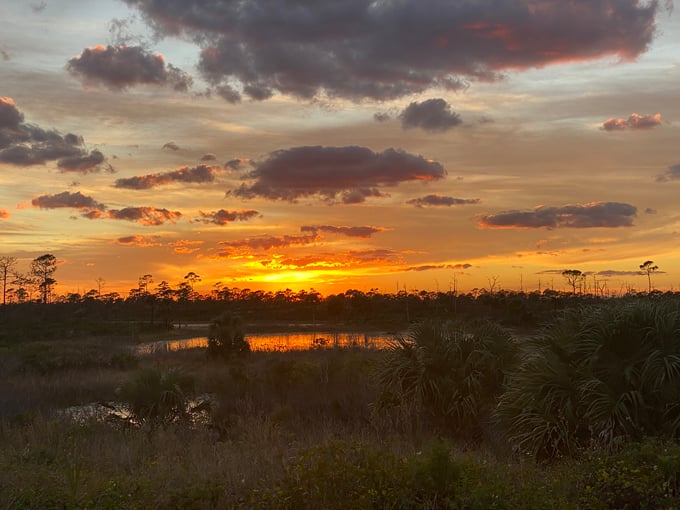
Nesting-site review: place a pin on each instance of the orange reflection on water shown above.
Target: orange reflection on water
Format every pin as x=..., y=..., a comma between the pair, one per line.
x=279, y=342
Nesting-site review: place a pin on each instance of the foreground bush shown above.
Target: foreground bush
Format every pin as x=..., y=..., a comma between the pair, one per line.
x=598, y=376
x=450, y=373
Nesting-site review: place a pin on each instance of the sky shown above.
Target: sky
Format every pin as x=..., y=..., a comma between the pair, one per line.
x=334, y=145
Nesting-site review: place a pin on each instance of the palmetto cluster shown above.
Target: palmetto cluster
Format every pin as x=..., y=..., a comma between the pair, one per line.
x=598, y=376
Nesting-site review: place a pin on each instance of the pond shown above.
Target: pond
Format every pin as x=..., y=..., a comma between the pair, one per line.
x=279, y=342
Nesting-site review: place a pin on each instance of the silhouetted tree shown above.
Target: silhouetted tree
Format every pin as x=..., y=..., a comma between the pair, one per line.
x=573, y=277
x=6, y=265
x=647, y=268
x=42, y=268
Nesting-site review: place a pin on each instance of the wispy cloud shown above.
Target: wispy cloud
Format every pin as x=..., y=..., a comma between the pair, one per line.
x=595, y=214
x=672, y=174
x=223, y=216
x=441, y=201
x=350, y=174
x=359, y=231
x=198, y=174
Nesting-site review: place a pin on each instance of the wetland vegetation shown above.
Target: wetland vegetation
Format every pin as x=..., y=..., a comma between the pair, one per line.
x=504, y=400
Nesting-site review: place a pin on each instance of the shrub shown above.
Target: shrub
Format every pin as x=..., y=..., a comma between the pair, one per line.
x=226, y=338
x=157, y=397
x=599, y=376
x=451, y=373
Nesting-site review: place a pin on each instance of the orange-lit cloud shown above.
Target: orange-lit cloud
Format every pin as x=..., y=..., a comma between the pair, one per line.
x=633, y=122
x=198, y=174
x=120, y=67
x=4, y=214
x=186, y=247
x=224, y=217
x=349, y=174
x=147, y=216
x=595, y=214
x=67, y=199
x=140, y=241
x=439, y=200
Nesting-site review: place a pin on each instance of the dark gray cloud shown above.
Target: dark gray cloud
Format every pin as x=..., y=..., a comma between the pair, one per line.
x=208, y=157
x=84, y=163
x=360, y=231
x=223, y=216
x=24, y=144
x=147, y=216
x=439, y=200
x=38, y=7
x=88, y=205
x=265, y=242
x=171, y=146
x=434, y=115
x=672, y=174
x=119, y=67
x=198, y=174
x=351, y=173
x=381, y=117
x=633, y=122
x=596, y=214
x=387, y=49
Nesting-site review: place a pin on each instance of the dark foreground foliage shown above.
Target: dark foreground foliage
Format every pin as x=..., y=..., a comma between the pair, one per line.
x=582, y=415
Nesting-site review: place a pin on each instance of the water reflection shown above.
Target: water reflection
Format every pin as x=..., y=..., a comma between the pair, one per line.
x=279, y=342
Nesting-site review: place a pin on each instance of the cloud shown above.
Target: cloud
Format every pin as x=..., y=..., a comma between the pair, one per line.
x=235, y=164
x=223, y=216
x=672, y=174
x=147, y=216
x=198, y=174
x=208, y=157
x=120, y=67
x=5, y=55
x=38, y=7
x=352, y=173
x=172, y=146
x=361, y=49
x=595, y=214
x=140, y=241
x=635, y=121
x=265, y=242
x=429, y=267
x=612, y=272
x=185, y=247
x=362, y=232
x=434, y=115
x=439, y=200
x=23, y=144
x=67, y=199
x=84, y=163
x=381, y=117
x=4, y=214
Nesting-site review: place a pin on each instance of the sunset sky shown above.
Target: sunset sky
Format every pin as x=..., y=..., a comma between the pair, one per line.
x=339, y=144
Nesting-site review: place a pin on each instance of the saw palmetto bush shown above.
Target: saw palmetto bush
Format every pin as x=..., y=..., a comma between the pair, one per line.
x=599, y=376
x=226, y=338
x=449, y=373
x=157, y=397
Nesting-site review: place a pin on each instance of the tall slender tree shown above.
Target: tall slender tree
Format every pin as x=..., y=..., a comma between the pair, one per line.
x=43, y=268
x=647, y=268
x=6, y=266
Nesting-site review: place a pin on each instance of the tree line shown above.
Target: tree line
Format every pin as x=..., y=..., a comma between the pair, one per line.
x=40, y=277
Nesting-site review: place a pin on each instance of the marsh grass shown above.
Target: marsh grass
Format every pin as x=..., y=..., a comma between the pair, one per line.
x=301, y=430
